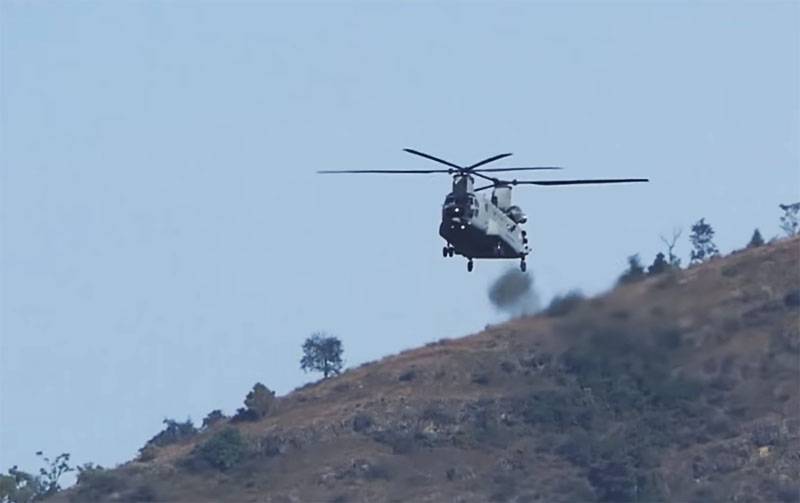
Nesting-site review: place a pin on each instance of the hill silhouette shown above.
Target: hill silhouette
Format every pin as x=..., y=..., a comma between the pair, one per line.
x=679, y=387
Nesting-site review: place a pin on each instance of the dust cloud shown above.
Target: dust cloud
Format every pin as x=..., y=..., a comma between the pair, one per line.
x=514, y=294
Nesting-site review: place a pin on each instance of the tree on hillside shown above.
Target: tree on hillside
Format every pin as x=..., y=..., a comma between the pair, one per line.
x=173, y=432
x=635, y=270
x=674, y=261
x=659, y=265
x=257, y=404
x=703, y=247
x=756, y=240
x=214, y=417
x=22, y=487
x=790, y=220
x=322, y=353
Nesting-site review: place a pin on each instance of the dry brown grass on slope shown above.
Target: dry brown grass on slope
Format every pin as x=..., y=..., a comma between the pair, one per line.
x=680, y=387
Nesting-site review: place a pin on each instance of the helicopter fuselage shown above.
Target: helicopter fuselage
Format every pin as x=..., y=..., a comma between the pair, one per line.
x=484, y=227
x=477, y=227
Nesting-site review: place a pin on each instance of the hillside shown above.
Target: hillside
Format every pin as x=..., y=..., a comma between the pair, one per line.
x=680, y=387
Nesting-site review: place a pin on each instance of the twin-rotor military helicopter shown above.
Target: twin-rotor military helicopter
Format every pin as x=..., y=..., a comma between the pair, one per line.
x=483, y=227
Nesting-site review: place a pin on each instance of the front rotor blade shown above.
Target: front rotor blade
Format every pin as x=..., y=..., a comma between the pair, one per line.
x=487, y=161
x=580, y=182
x=432, y=158
x=386, y=171
x=527, y=168
x=485, y=177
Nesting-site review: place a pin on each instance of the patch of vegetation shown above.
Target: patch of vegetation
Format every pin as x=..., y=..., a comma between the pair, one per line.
x=374, y=471
x=508, y=367
x=631, y=371
x=481, y=378
x=147, y=453
x=790, y=220
x=401, y=442
x=437, y=414
x=214, y=417
x=562, y=305
x=23, y=487
x=361, y=422
x=635, y=271
x=756, y=240
x=702, y=239
x=558, y=408
x=223, y=450
x=659, y=265
x=97, y=484
x=618, y=377
x=173, y=432
x=505, y=487
x=780, y=490
x=142, y=494
x=407, y=376
x=257, y=404
x=273, y=445
x=322, y=353
x=792, y=299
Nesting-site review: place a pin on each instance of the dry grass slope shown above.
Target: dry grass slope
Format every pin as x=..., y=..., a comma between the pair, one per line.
x=681, y=387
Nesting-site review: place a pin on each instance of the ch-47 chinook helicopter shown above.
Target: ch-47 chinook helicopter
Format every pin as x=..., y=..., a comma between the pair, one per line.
x=483, y=227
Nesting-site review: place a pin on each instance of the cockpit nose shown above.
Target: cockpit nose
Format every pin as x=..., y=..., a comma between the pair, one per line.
x=458, y=207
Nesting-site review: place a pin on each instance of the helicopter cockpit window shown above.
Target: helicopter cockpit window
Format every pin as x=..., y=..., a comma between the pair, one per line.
x=462, y=205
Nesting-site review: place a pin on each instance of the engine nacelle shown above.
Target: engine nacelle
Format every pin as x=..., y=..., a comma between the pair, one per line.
x=516, y=214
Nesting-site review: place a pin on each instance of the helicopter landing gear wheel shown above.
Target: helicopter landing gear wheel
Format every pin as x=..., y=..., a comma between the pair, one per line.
x=451, y=251
x=523, y=266
x=470, y=265
x=445, y=252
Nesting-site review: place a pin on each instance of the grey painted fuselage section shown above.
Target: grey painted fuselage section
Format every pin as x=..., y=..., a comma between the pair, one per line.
x=477, y=227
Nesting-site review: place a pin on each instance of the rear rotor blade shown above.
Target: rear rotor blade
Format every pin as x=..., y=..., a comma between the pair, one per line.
x=579, y=182
x=487, y=161
x=527, y=168
x=432, y=158
x=386, y=171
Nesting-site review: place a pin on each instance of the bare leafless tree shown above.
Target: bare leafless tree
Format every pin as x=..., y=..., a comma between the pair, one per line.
x=790, y=220
x=674, y=261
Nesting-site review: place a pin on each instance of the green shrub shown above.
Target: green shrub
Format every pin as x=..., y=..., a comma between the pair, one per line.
x=214, y=417
x=408, y=375
x=97, y=484
x=558, y=408
x=23, y=487
x=401, y=442
x=142, y=494
x=577, y=449
x=668, y=339
x=173, y=432
x=481, y=378
x=257, y=404
x=222, y=451
x=634, y=272
x=437, y=414
x=614, y=481
x=361, y=422
x=561, y=305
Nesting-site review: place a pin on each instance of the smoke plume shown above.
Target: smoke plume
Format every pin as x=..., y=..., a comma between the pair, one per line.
x=513, y=293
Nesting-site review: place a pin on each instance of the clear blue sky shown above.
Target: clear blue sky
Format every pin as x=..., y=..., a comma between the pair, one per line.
x=166, y=243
